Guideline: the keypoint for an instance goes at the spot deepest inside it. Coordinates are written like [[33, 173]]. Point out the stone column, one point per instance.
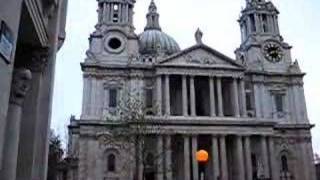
[[215, 158], [257, 98], [93, 98], [167, 95], [159, 157], [104, 13], [85, 97], [123, 12], [265, 160], [192, 97], [220, 99], [139, 160], [168, 158], [127, 13], [249, 26], [240, 160], [236, 97], [248, 160], [276, 23], [186, 153], [184, 96], [244, 112], [108, 17], [275, 175], [223, 159], [111, 12], [120, 12], [212, 97], [271, 24], [159, 95], [195, 168], [19, 88]]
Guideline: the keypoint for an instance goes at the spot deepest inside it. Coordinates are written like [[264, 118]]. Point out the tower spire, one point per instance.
[[153, 17]]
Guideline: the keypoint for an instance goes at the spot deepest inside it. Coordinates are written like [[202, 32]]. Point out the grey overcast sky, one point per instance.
[[299, 25]]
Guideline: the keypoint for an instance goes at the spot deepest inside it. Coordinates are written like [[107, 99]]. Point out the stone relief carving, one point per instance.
[[20, 85], [201, 60]]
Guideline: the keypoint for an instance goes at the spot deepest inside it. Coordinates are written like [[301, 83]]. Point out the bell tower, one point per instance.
[[114, 39], [259, 19], [262, 46], [116, 13]]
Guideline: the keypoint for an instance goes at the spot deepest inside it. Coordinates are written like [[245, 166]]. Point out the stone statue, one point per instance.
[[20, 85], [198, 36]]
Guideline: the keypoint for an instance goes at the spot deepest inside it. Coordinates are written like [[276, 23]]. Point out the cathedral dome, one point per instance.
[[153, 40]]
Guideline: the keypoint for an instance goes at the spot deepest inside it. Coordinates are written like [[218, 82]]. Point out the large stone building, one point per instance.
[[249, 113], [31, 33]]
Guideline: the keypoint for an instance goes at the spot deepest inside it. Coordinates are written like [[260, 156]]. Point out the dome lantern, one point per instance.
[[153, 41]]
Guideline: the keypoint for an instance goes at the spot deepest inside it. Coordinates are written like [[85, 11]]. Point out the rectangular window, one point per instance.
[[113, 98], [278, 98], [149, 98]]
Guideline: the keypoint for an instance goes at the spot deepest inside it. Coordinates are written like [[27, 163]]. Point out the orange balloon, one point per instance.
[[202, 156]]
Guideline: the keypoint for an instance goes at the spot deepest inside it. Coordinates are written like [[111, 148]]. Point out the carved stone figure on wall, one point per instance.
[[20, 86]]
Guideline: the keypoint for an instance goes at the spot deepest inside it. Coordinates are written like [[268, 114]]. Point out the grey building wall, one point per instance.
[[38, 29]]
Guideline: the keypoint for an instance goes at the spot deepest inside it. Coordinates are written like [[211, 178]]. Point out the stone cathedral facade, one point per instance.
[[248, 113]]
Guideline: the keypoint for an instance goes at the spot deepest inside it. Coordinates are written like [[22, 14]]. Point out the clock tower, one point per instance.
[[262, 47]]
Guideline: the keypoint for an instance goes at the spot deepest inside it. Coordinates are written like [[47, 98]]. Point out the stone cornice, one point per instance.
[[264, 73], [200, 72], [34, 9], [294, 126]]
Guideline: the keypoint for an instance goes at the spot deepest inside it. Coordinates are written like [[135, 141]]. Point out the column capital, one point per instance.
[[36, 58]]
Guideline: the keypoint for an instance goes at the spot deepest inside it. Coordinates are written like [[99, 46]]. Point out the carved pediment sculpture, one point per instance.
[[201, 60]]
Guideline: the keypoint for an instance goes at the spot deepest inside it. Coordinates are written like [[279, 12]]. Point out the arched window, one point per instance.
[[111, 163], [284, 163]]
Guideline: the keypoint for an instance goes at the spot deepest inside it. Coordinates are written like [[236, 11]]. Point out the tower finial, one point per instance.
[[153, 17], [198, 35]]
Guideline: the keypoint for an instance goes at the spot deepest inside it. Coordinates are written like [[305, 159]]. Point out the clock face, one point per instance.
[[273, 52]]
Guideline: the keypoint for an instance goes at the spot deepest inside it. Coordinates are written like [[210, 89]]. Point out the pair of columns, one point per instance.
[[219, 158], [220, 162], [238, 91], [163, 153]]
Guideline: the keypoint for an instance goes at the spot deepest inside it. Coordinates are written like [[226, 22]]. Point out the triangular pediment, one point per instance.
[[200, 56]]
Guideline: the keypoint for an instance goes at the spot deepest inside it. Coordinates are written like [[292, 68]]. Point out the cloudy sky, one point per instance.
[[299, 25]]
